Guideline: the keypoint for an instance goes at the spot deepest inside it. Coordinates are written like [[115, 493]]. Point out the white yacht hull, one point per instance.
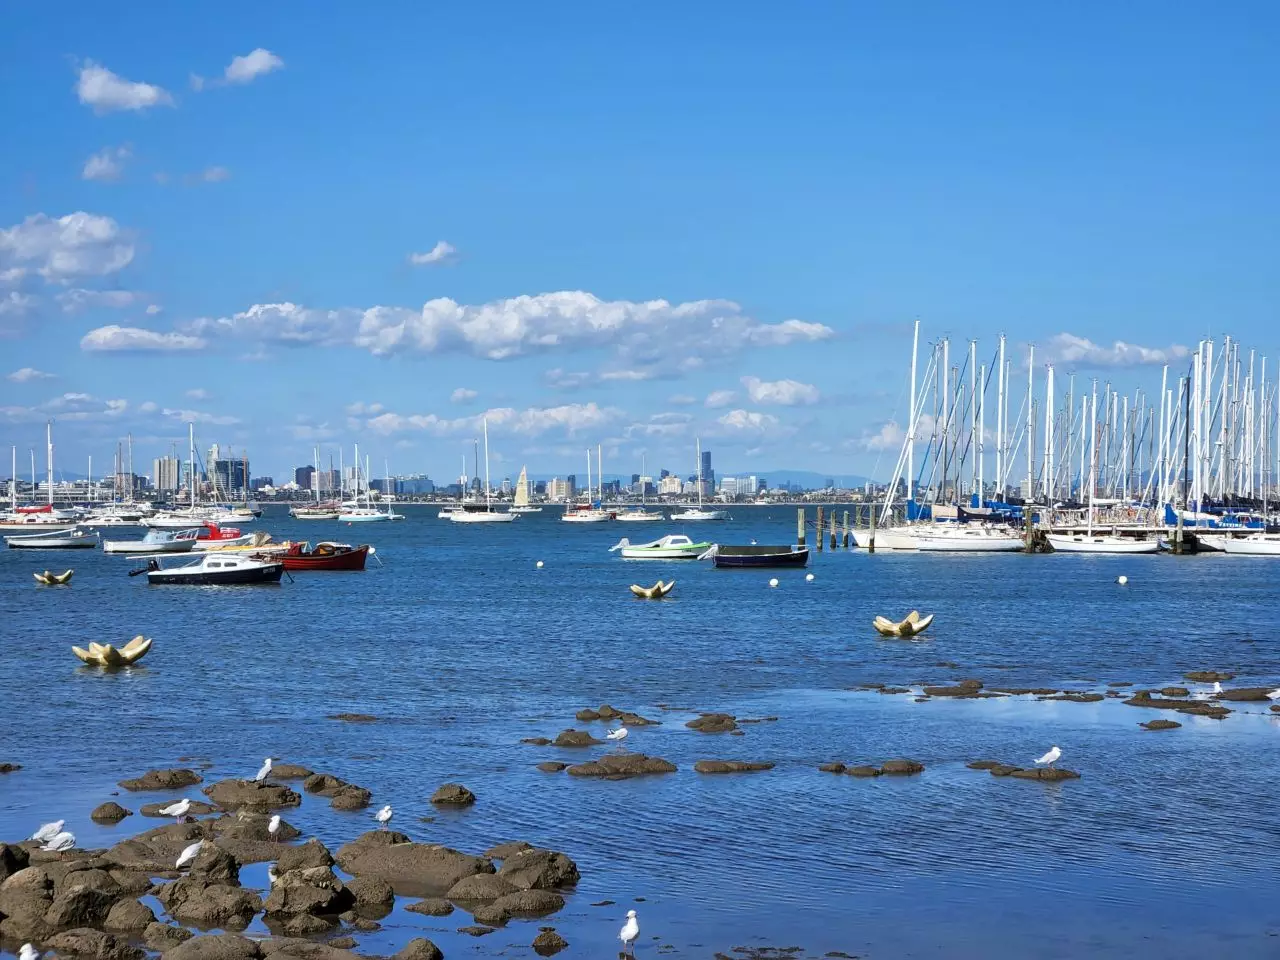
[[702, 515], [1101, 544], [1250, 547], [977, 543], [638, 517], [481, 516]]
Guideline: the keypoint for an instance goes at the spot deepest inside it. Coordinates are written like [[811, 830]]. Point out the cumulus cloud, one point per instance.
[[655, 336], [252, 65], [197, 393], [113, 338], [567, 379], [153, 309], [568, 419], [28, 374], [463, 395], [748, 421], [660, 425], [720, 398], [103, 90], [888, 437], [633, 376], [15, 304], [78, 299], [360, 408], [783, 393], [68, 248], [107, 164], [1068, 349], [442, 252], [198, 416]]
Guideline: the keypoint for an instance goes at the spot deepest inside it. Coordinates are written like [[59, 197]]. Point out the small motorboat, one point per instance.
[[105, 655], [639, 515], [675, 546], [50, 579], [214, 537], [325, 556], [755, 555], [64, 540], [481, 513], [656, 592], [912, 625], [156, 541], [214, 569]]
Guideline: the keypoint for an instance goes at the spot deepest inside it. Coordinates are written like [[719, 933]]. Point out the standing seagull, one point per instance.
[[617, 736], [383, 816], [189, 854], [28, 952], [1050, 758], [48, 831], [1217, 688], [630, 931], [177, 810], [1274, 694], [60, 841], [273, 826], [263, 771]]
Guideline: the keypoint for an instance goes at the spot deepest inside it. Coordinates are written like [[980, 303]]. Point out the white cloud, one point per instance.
[[27, 374], [626, 375], [720, 398], [888, 437], [360, 408], [103, 90], [72, 247], [214, 175], [16, 304], [567, 379], [1068, 349], [196, 81], [148, 406], [748, 421], [153, 309], [84, 406], [661, 425], [199, 416], [252, 65], [783, 393], [463, 395], [441, 252], [197, 393], [117, 338], [12, 276], [107, 164], [78, 299], [569, 419]]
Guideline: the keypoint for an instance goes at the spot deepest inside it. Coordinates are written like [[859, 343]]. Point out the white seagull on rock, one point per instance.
[[617, 736], [263, 771], [273, 825], [189, 854], [60, 841], [1274, 694], [1050, 758], [629, 932], [48, 831], [1217, 688], [177, 810], [28, 952], [383, 816]]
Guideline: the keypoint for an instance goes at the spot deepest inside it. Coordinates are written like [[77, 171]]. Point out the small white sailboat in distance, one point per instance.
[[699, 512], [482, 512], [521, 503], [640, 514], [589, 512]]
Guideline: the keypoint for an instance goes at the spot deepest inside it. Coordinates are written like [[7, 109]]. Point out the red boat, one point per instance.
[[326, 556], [214, 533]]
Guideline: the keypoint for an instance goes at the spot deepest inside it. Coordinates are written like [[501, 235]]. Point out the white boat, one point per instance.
[[700, 512], [1100, 543], [243, 540], [638, 515], [1254, 545], [156, 541], [448, 511], [482, 512], [675, 546], [589, 512], [521, 502], [969, 539], [110, 520], [314, 513], [65, 540], [364, 515], [32, 522], [215, 569]]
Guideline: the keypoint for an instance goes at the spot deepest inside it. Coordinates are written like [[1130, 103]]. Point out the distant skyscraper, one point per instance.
[[664, 474], [303, 477], [708, 474], [166, 474]]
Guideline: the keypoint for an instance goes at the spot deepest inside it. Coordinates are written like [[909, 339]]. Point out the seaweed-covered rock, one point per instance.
[[217, 946], [350, 797], [197, 901], [1208, 676], [1076, 697], [575, 738], [390, 856], [1202, 708], [316, 891], [548, 943], [373, 897], [1161, 725], [289, 771], [536, 741], [1245, 694], [80, 906], [481, 886], [983, 764], [863, 770], [431, 907], [901, 767], [12, 859], [236, 794], [552, 766], [198, 808], [313, 853], [109, 812], [216, 866], [352, 717], [1051, 774], [1174, 692], [1003, 770], [167, 779], [453, 795], [420, 948], [836, 767], [714, 723], [163, 937], [730, 766], [963, 689], [537, 869], [325, 784], [620, 766]]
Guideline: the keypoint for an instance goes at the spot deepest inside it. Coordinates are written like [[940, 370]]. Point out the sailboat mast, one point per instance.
[[981, 401], [486, 461], [589, 487], [600, 474], [48, 439], [130, 437], [911, 418], [1048, 438], [1001, 413], [1093, 450], [698, 455], [191, 460], [315, 480], [1031, 453]]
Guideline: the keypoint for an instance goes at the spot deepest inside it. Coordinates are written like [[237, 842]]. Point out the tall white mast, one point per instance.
[[315, 479], [911, 419], [486, 461], [1162, 452], [1048, 439], [973, 406], [130, 468], [1000, 417], [48, 435], [981, 401], [191, 460], [590, 489], [944, 446], [1031, 453], [600, 474], [1093, 450]]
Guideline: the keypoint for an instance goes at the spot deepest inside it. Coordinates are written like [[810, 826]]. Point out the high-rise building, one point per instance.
[[506, 486], [664, 474], [260, 483], [304, 477], [669, 485], [708, 474], [166, 473], [562, 490]]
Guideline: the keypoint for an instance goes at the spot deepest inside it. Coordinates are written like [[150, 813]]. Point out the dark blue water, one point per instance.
[[462, 647]]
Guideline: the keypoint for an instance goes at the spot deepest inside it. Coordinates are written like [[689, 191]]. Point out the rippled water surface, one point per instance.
[[461, 648]]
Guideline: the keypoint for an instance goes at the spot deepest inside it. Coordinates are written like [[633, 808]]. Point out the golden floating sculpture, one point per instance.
[[656, 592], [105, 655], [913, 624], [53, 579]]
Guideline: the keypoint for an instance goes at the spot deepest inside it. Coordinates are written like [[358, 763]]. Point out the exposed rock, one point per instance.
[[529, 903], [342, 943], [420, 948], [730, 766], [431, 907], [218, 946], [488, 914], [964, 689], [94, 945], [216, 866], [1211, 710], [539, 870], [313, 853], [1003, 770], [252, 795], [983, 764], [299, 925], [1046, 773], [863, 770], [1208, 676], [832, 768], [12, 859], [1077, 697], [1029, 691], [289, 771], [419, 867], [901, 767], [10, 767], [453, 795], [619, 766], [551, 766], [168, 779], [325, 784], [82, 873], [586, 716], [1245, 694], [548, 943], [1161, 724], [1120, 683], [350, 797], [79, 906], [109, 812], [279, 948], [714, 723], [129, 916], [373, 897], [1174, 692], [480, 886], [163, 937], [245, 836], [1203, 708], [575, 738], [475, 931], [198, 809], [537, 741], [505, 851], [1275, 708], [197, 901], [884, 690], [316, 891], [353, 717], [627, 718]]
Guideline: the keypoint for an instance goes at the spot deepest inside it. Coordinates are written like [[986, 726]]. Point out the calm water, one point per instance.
[[462, 647]]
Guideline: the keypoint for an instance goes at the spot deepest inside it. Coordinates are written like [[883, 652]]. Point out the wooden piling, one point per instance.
[[1178, 545], [1028, 528], [818, 527], [871, 541], [832, 527], [800, 526], [846, 530]]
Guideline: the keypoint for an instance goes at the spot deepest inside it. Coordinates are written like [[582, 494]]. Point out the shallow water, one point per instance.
[[462, 647]]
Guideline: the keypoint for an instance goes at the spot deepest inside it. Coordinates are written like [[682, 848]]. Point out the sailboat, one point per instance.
[[640, 514], [699, 512], [317, 511], [521, 504], [482, 512], [591, 511], [354, 512]]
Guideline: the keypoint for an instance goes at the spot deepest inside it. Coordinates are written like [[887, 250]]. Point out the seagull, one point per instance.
[[177, 810], [28, 952], [1050, 758], [1217, 688], [48, 831], [273, 825], [189, 854], [630, 931], [1274, 694], [617, 736], [60, 841], [383, 816], [263, 771]]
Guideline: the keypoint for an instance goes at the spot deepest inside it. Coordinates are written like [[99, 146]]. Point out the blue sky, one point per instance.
[[634, 225]]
